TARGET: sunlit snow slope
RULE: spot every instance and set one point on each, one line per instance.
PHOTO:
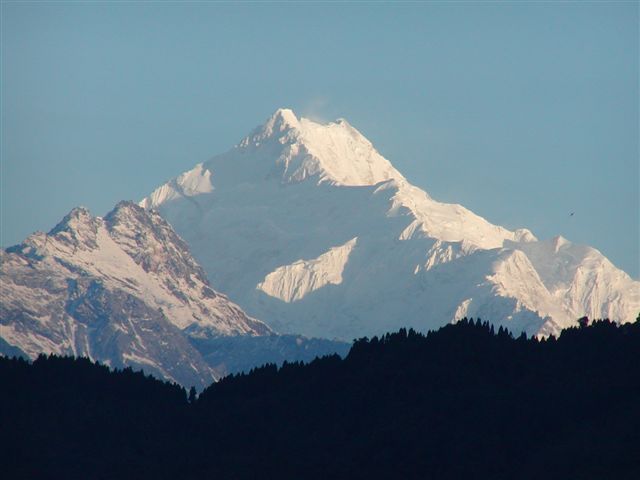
(309, 228)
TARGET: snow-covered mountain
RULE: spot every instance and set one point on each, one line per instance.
(122, 289)
(309, 228)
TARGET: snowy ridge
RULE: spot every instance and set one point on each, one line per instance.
(292, 282)
(123, 290)
(190, 183)
(583, 280)
(281, 201)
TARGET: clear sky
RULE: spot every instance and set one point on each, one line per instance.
(522, 112)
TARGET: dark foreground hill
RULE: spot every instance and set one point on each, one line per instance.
(463, 402)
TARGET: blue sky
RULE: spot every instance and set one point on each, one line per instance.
(522, 112)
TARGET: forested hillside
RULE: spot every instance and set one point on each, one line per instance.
(462, 402)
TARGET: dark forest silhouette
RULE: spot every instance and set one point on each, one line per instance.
(465, 402)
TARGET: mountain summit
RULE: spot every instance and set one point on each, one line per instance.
(335, 153)
(306, 226)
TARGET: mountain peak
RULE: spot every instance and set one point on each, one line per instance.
(281, 121)
(78, 214)
(126, 205)
(126, 209)
(78, 221)
(334, 152)
(285, 115)
(558, 242)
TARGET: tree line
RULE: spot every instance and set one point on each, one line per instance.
(465, 401)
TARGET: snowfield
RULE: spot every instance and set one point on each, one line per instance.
(307, 227)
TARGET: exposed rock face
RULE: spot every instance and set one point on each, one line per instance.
(123, 290)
